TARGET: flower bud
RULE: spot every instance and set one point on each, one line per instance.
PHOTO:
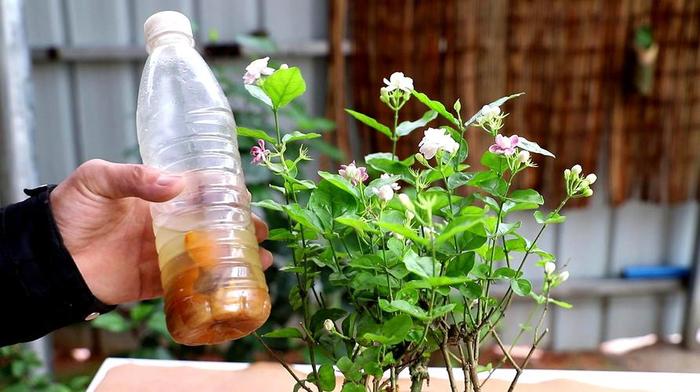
(385, 192)
(523, 156)
(576, 169)
(591, 178)
(567, 173)
(549, 267)
(406, 201)
(564, 276)
(328, 325)
(284, 66)
(585, 183)
(410, 215)
(588, 192)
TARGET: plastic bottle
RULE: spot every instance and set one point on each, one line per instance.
(210, 268)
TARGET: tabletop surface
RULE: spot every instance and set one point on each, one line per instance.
(648, 381)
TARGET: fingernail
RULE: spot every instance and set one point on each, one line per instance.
(167, 180)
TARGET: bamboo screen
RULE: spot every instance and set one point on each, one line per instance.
(572, 58)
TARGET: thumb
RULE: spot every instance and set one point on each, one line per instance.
(119, 180)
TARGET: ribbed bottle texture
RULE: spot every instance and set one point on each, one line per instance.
(211, 274)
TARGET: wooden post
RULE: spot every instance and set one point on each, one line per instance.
(691, 322)
(335, 103)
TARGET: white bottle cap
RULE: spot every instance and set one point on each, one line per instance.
(166, 22)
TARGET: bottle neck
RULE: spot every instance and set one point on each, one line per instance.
(169, 38)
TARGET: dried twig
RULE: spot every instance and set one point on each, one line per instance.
(301, 383)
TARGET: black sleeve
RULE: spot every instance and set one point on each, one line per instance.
(41, 288)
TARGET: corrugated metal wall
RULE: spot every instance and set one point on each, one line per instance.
(85, 109)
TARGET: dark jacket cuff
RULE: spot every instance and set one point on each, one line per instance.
(38, 277)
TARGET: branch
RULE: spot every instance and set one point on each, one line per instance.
(448, 363)
(300, 382)
(518, 372)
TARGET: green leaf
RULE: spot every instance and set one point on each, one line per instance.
(468, 218)
(410, 309)
(498, 102)
(496, 162)
(326, 377)
(269, 205)
(258, 93)
(456, 180)
(18, 367)
(303, 216)
(507, 273)
(297, 136)
(393, 331)
(349, 369)
(471, 290)
(461, 265)
(521, 287)
(340, 183)
(561, 304)
(406, 127)
(404, 231)
(289, 332)
(295, 298)
(442, 310)
(327, 204)
(421, 266)
(283, 86)
(526, 196)
(157, 323)
(356, 223)
(436, 106)
(370, 122)
(353, 388)
(256, 134)
(490, 182)
(551, 218)
(112, 322)
(141, 311)
(384, 162)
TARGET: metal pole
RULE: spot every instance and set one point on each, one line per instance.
(17, 164)
(691, 322)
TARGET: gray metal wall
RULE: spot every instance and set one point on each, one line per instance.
(85, 107)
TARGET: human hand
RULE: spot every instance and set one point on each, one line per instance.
(102, 212)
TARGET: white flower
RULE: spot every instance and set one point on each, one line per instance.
(564, 276)
(523, 156)
(549, 267)
(576, 169)
(436, 139)
(397, 81)
(257, 69)
(328, 325)
(384, 192)
(591, 178)
(394, 185)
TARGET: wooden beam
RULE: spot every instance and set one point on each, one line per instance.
(315, 48)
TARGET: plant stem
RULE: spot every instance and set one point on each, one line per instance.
(448, 364)
(465, 367)
(302, 282)
(473, 375)
(395, 138)
(300, 382)
(518, 372)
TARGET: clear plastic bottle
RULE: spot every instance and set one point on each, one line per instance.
(212, 279)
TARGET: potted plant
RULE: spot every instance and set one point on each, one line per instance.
(412, 257)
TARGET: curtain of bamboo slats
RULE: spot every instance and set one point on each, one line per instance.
(570, 59)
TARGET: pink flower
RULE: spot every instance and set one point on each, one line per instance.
(504, 145)
(257, 69)
(259, 152)
(356, 175)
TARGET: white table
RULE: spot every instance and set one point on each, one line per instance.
(651, 381)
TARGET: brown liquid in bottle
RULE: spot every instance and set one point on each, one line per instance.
(213, 284)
